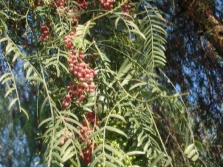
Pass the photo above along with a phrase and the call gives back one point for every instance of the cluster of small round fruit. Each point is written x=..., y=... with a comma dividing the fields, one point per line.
x=68, y=40
x=82, y=70
x=86, y=154
x=84, y=75
x=68, y=13
x=91, y=119
x=107, y=4
x=74, y=15
x=126, y=8
x=83, y=4
x=62, y=11
x=38, y=3
x=86, y=131
x=75, y=91
x=44, y=33
x=65, y=136
x=60, y=3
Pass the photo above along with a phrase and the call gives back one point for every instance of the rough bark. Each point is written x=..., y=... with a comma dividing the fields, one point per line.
x=208, y=23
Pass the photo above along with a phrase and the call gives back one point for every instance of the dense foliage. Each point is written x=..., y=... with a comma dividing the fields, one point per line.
x=85, y=85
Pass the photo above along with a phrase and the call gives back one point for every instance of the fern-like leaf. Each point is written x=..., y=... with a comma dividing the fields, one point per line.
x=152, y=25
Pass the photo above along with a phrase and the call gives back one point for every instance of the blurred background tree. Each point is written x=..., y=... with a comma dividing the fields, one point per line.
x=194, y=65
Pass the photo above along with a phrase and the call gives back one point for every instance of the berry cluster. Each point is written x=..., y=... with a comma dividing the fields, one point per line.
x=82, y=70
x=38, y=3
x=69, y=13
x=87, y=152
x=126, y=8
x=75, y=17
x=44, y=33
x=86, y=131
x=91, y=119
x=84, y=75
x=60, y=3
x=75, y=91
x=62, y=11
x=68, y=40
x=107, y=4
x=65, y=136
x=83, y=4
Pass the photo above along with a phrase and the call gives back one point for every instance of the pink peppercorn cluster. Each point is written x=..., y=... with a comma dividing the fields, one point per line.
x=68, y=13
x=91, y=119
x=87, y=153
x=75, y=17
x=83, y=4
x=81, y=70
x=38, y=3
x=86, y=131
x=68, y=40
x=84, y=76
x=65, y=136
x=60, y=3
x=44, y=33
x=126, y=8
x=107, y=4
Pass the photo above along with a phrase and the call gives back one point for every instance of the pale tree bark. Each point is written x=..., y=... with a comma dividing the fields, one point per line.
x=201, y=15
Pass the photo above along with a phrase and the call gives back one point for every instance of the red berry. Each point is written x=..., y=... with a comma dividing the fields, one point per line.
x=82, y=56
x=69, y=60
x=65, y=104
x=68, y=98
x=82, y=97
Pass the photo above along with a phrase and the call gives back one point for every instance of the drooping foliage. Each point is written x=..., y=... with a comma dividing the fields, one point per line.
x=83, y=80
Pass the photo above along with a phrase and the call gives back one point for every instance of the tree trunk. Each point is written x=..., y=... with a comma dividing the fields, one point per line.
x=208, y=23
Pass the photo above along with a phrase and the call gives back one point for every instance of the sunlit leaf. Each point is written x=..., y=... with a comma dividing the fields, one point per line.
x=112, y=129
x=12, y=103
